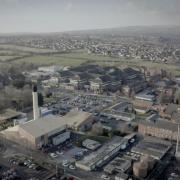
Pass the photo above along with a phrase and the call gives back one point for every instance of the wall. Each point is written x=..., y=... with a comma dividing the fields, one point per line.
x=157, y=132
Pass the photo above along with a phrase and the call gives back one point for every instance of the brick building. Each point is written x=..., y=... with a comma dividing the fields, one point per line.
x=157, y=127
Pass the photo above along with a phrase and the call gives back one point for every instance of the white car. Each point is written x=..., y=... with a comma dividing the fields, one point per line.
x=72, y=167
x=59, y=153
x=174, y=175
x=105, y=177
x=132, y=140
x=53, y=155
x=123, y=146
x=85, y=150
x=65, y=163
x=30, y=167
x=27, y=163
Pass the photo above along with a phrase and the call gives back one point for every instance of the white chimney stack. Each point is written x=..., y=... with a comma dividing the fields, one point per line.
x=36, y=111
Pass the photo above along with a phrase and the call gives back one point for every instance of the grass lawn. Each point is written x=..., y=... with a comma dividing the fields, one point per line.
x=78, y=57
x=9, y=47
x=50, y=60
x=6, y=58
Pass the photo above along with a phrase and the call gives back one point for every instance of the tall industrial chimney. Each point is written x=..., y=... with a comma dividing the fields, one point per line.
x=36, y=111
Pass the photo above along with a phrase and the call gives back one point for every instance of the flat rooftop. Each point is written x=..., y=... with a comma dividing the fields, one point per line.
x=102, y=152
x=118, y=106
x=43, y=125
x=51, y=123
x=8, y=114
x=160, y=123
x=76, y=117
x=154, y=147
x=116, y=114
x=146, y=94
x=91, y=144
x=118, y=164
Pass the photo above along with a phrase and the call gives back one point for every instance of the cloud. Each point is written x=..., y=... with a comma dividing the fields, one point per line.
x=85, y=14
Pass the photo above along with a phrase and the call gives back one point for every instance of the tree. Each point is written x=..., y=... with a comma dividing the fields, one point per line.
x=15, y=98
x=164, y=99
x=97, y=129
x=177, y=97
x=27, y=96
x=40, y=99
x=18, y=81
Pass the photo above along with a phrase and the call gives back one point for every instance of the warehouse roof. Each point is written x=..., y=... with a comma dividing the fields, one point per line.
x=154, y=147
x=51, y=123
x=106, y=150
x=75, y=117
x=43, y=125
x=118, y=164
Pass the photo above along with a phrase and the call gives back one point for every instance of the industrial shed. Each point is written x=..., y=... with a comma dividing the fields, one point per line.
x=38, y=132
x=78, y=120
x=43, y=130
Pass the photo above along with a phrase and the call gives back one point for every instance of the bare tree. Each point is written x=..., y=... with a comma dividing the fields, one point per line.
x=97, y=129
x=177, y=96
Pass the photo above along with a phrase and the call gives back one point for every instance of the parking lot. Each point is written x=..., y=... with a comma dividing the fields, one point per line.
x=68, y=154
x=65, y=101
x=22, y=167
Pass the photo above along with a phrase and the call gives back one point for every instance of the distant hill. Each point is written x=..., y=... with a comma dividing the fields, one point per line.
x=164, y=31
x=136, y=30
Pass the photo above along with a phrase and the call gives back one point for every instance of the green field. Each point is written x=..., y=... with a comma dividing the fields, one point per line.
x=8, y=55
x=50, y=60
x=7, y=58
x=75, y=58
x=25, y=49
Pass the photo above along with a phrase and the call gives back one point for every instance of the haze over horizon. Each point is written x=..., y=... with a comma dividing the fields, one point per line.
x=67, y=15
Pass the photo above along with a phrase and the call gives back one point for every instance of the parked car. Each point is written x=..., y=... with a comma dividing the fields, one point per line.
x=53, y=155
x=174, y=175
x=59, y=152
x=65, y=163
x=72, y=167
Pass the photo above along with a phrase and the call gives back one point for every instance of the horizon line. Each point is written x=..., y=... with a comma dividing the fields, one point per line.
x=78, y=30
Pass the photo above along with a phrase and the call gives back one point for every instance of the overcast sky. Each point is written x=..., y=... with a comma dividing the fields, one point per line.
x=62, y=15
